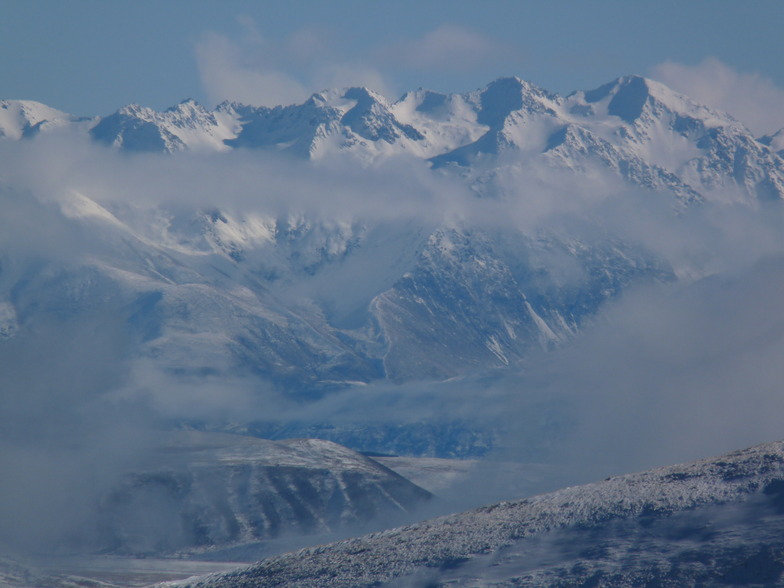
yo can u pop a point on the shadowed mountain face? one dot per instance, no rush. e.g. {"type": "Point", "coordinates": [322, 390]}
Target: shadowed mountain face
{"type": "Point", "coordinates": [205, 498]}
{"type": "Point", "coordinates": [215, 491]}
{"type": "Point", "coordinates": [714, 522]}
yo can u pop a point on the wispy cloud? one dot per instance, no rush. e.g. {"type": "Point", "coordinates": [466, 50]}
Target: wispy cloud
{"type": "Point", "coordinates": [448, 47]}
{"type": "Point", "coordinates": [253, 69]}
{"type": "Point", "coordinates": [750, 97]}
{"type": "Point", "coordinates": [672, 376]}
{"type": "Point", "coordinates": [227, 74]}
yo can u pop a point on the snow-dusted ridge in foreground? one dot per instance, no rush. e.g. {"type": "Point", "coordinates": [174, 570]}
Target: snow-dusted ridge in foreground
{"type": "Point", "coordinates": [712, 521]}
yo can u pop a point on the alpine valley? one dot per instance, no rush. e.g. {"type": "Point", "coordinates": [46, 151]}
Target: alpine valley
{"type": "Point", "coordinates": [229, 332]}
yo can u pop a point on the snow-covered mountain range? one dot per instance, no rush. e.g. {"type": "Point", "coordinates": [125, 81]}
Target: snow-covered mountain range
{"type": "Point", "coordinates": [308, 295]}
{"type": "Point", "coordinates": [643, 131]}
{"type": "Point", "coordinates": [312, 300]}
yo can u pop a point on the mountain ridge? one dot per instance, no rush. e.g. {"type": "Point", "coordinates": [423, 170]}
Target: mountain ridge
{"type": "Point", "coordinates": [646, 133]}
{"type": "Point", "coordinates": [488, 545]}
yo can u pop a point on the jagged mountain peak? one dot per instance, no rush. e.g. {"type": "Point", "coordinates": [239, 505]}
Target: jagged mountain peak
{"type": "Point", "coordinates": [515, 84]}
{"type": "Point", "coordinates": [775, 141]}
{"type": "Point", "coordinates": [613, 87]}
{"type": "Point", "coordinates": [231, 105]}
{"type": "Point", "coordinates": [189, 105]}
{"type": "Point", "coordinates": [353, 120]}
{"type": "Point", "coordinates": [346, 98]}
{"type": "Point", "coordinates": [186, 108]}
{"type": "Point", "coordinates": [362, 93]}
{"type": "Point", "coordinates": [506, 95]}
{"type": "Point", "coordinates": [187, 125]}
{"type": "Point", "coordinates": [139, 111]}
{"type": "Point", "coordinates": [673, 141]}
{"type": "Point", "coordinates": [632, 123]}
{"type": "Point", "coordinates": [425, 101]}
{"type": "Point", "coordinates": [630, 97]}
{"type": "Point", "coordinates": [372, 118]}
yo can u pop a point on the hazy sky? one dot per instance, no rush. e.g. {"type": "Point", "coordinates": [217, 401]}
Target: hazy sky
{"type": "Point", "coordinates": [90, 57]}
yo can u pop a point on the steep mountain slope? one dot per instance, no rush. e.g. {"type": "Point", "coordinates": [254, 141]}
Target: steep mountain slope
{"type": "Point", "coordinates": [214, 491]}
{"type": "Point", "coordinates": [182, 311]}
{"type": "Point", "coordinates": [205, 497]}
{"type": "Point", "coordinates": [715, 521]}
{"type": "Point", "coordinates": [263, 297]}
{"type": "Point", "coordinates": [185, 126]}
{"type": "Point", "coordinates": [496, 296]}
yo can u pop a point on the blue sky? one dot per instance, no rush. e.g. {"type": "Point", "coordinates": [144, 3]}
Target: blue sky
{"type": "Point", "coordinates": [90, 57]}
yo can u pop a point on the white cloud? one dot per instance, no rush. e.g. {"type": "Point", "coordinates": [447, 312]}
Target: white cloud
{"type": "Point", "coordinates": [226, 74]}
{"type": "Point", "coordinates": [447, 47]}
{"type": "Point", "coordinates": [256, 70]}
{"type": "Point", "coordinates": [750, 97]}
{"type": "Point", "coordinates": [346, 75]}
{"type": "Point", "coordinates": [252, 68]}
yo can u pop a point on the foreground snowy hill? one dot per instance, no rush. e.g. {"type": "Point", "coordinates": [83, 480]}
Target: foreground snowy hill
{"type": "Point", "coordinates": [716, 521]}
